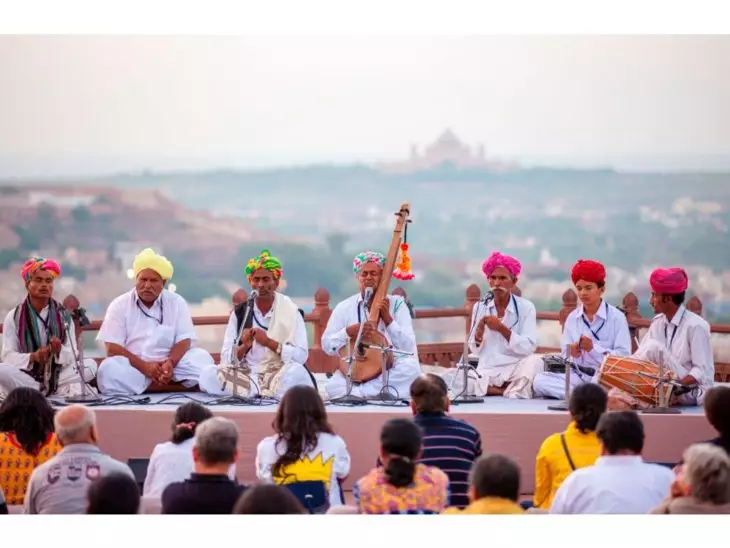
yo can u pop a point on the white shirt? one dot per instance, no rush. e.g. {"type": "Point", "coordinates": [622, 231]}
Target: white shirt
{"type": "Point", "coordinates": [171, 463]}
{"type": "Point", "coordinates": [399, 333]}
{"type": "Point", "coordinates": [329, 461]}
{"type": "Point", "coordinates": [614, 485]}
{"type": "Point", "coordinates": [520, 317]}
{"type": "Point", "coordinates": [129, 323]}
{"type": "Point", "coordinates": [687, 337]}
{"type": "Point", "coordinates": [297, 352]}
{"type": "Point", "coordinates": [611, 328]}
{"type": "Point", "coordinates": [11, 345]}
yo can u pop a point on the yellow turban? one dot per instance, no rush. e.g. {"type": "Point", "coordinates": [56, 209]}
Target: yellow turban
{"type": "Point", "coordinates": [149, 259]}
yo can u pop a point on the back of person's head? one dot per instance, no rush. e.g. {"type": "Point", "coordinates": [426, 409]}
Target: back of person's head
{"type": "Point", "coordinates": [187, 419]}
{"type": "Point", "coordinates": [706, 473]}
{"type": "Point", "coordinates": [113, 494]}
{"type": "Point", "coordinates": [300, 418]}
{"type": "Point", "coordinates": [76, 424]}
{"type": "Point", "coordinates": [400, 448]}
{"type": "Point", "coordinates": [587, 403]}
{"type": "Point", "coordinates": [621, 432]}
{"type": "Point", "coordinates": [29, 416]}
{"type": "Point", "coordinates": [216, 442]}
{"type": "Point", "coordinates": [495, 476]}
{"type": "Point", "coordinates": [717, 408]}
{"type": "Point", "coordinates": [429, 394]}
{"type": "Point", "coordinates": [268, 499]}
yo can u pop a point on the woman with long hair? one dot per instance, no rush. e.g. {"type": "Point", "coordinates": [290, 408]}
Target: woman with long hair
{"type": "Point", "coordinates": [172, 461]}
{"type": "Point", "coordinates": [305, 447]}
{"type": "Point", "coordinates": [576, 447]}
{"type": "Point", "coordinates": [27, 440]}
{"type": "Point", "coordinates": [402, 485]}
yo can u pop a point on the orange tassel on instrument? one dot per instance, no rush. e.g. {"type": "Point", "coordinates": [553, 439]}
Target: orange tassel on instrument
{"type": "Point", "coordinates": [403, 266]}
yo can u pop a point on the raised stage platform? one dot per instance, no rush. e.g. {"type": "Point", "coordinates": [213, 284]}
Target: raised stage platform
{"type": "Point", "coordinates": [514, 427]}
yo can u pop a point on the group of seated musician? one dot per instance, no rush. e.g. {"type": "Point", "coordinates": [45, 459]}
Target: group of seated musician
{"type": "Point", "coordinates": [151, 344]}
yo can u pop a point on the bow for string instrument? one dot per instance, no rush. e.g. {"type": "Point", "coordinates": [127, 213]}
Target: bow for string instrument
{"type": "Point", "coordinates": [368, 361]}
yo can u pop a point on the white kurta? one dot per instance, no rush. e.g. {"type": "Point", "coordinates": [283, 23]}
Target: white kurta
{"type": "Point", "coordinates": [150, 334]}
{"type": "Point", "coordinates": [683, 345]}
{"type": "Point", "coordinates": [399, 334]}
{"type": "Point", "coordinates": [293, 355]}
{"type": "Point", "coordinates": [609, 332]}
{"type": "Point", "coordinates": [14, 363]}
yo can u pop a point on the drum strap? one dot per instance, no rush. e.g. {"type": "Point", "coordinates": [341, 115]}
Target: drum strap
{"type": "Point", "coordinates": [567, 453]}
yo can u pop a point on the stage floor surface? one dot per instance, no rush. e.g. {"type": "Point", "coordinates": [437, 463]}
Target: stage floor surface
{"type": "Point", "coordinates": [513, 427]}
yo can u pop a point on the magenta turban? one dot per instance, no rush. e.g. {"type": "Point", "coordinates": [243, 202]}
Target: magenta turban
{"type": "Point", "coordinates": [496, 259]}
{"type": "Point", "coordinates": [668, 281]}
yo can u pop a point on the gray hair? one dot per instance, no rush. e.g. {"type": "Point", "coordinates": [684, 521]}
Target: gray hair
{"type": "Point", "coordinates": [707, 471]}
{"type": "Point", "coordinates": [73, 424]}
{"type": "Point", "coordinates": [216, 440]}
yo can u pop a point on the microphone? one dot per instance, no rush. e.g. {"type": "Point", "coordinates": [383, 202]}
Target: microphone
{"type": "Point", "coordinates": [254, 294]}
{"type": "Point", "coordinates": [489, 296]}
{"type": "Point", "coordinates": [368, 295]}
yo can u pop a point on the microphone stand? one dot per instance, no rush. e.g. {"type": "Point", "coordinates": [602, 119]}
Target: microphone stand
{"type": "Point", "coordinates": [235, 397]}
{"type": "Point", "coordinates": [385, 394]}
{"type": "Point", "coordinates": [85, 396]}
{"type": "Point", "coordinates": [563, 405]}
{"type": "Point", "coordinates": [348, 398]}
{"type": "Point", "coordinates": [465, 366]}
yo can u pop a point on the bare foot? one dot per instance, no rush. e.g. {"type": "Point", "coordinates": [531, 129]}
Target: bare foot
{"type": "Point", "coordinates": [496, 390]}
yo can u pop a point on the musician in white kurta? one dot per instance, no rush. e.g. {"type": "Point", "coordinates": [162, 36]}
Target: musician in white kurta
{"type": "Point", "coordinates": [594, 330]}
{"type": "Point", "coordinates": [273, 344]}
{"type": "Point", "coordinates": [396, 324]}
{"type": "Point", "coordinates": [48, 319]}
{"type": "Point", "coordinates": [149, 336]}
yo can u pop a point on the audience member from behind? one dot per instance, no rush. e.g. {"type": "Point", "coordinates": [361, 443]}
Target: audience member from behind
{"type": "Point", "coordinates": [59, 485]}
{"type": "Point", "coordinates": [402, 485]}
{"type": "Point", "coordinates": [577, 447]}
{"type": "Point", "coordinates": [702, 485]}
{"type": "Point", "coordinates": [268, 499]}
{"type": "Point", "coordinates": [620, 482]}
{"type": "Point", "coordinates": [494, 487]}
{"type": "Point", "coordinates": [172, 461]}
{"type": "Point", "coordinates": [26, 440]}
{"type": "Point", "coordinates": [209, 490]}
{"type": "Point", "coordinates": [305, 447]}
{"type": "Point", "coordinates": [717, 411]}
{"type": "Point", "coordinates": [448, 443]}
{"type": "Point", "coordinates": [113, 494]}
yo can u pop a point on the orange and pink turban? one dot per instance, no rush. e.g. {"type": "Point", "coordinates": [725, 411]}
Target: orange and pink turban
{"type": "Point", "coordinates": [39, 263]}
{"type": "Point", "coordinates": [588, 271]}
{"type": "Point", "coordinates": [496, 260]}
{"type": "Point", "coordinates": [668, 281]}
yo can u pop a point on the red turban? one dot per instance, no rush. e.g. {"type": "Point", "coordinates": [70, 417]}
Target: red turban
{"type": "Point", "coordinates": [668, 281]}
{"type": "Point", "coordinates": [496, 260]}
{"type": "Point", "coordinates": [589, 271]}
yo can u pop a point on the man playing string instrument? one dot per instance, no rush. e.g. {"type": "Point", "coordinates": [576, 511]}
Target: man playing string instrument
{"type": "Point", "coordinates": [592, 331]}
{"type": "Point", "coordinates": [150, 338]}
{"type": "Point", "coordinates": [37, 345]}
{"type": "Point", "coordinates": [677, 338]}
{"type": "Point", "coordinates": [394, 322]}
{"type": "Point", "coordinates": [272, 349]}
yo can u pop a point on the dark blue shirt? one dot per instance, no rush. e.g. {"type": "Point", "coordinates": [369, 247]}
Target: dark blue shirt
{"type": "Point", "coordinates": [451, 445]}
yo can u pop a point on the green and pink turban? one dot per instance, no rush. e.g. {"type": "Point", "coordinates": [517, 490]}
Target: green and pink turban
{"type": "Point", "coordinates": [367, 257]}
{"type": "Point", "coordinates": [39, 263]}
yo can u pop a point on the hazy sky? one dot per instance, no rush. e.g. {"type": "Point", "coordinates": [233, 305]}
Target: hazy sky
{"type": "Point", "coordinates": [73, 105]}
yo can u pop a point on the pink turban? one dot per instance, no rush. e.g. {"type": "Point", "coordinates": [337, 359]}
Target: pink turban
{"type": "Point", "coordinates": [496, 259]}
{"type": "Point", "coordinates": [668, 281]}
{"type": "Point", "coordinates": [39, 263]}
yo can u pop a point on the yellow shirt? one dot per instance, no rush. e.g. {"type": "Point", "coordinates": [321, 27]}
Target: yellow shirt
{"type": "Point", "coordinates": [16, 465]}
{"type": "Point", "coordinates": [488, 505]}
{"type": "Point", "coordinates": [552, 466]}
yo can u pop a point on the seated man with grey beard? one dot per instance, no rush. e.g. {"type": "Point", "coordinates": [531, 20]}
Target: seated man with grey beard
{"type": "Point", "coordinates": [209, 490]}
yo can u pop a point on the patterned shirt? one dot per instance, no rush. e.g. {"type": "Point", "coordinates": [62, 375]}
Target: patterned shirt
{"type": "Point", "coordinates": [16, 466]}
{"type": "Point", "coordinates": [428, 494]}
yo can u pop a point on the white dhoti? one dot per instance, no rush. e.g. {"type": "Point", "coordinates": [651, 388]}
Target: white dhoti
{"type": "Point", "coordinates": [400, 378]}
{"type": "Point", "coordinates": [117, 376]}
{"type": "Point", "coordinates": [519, 375]}
{"type": "Point", "coordinates": [69, 380]}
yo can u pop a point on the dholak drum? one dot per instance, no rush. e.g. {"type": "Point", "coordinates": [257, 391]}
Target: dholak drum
{"type": "Point", "coordinates": [638, 378]}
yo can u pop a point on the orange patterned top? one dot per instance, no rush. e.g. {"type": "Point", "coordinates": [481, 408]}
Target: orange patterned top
{"type": "Point", "coordinates": [428, 494]}
{"type": "Point", "coordinates": [16, 465]}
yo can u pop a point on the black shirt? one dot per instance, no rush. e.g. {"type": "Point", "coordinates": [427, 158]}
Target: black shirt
{"type": "Point", "coordinates": [202, 494]}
